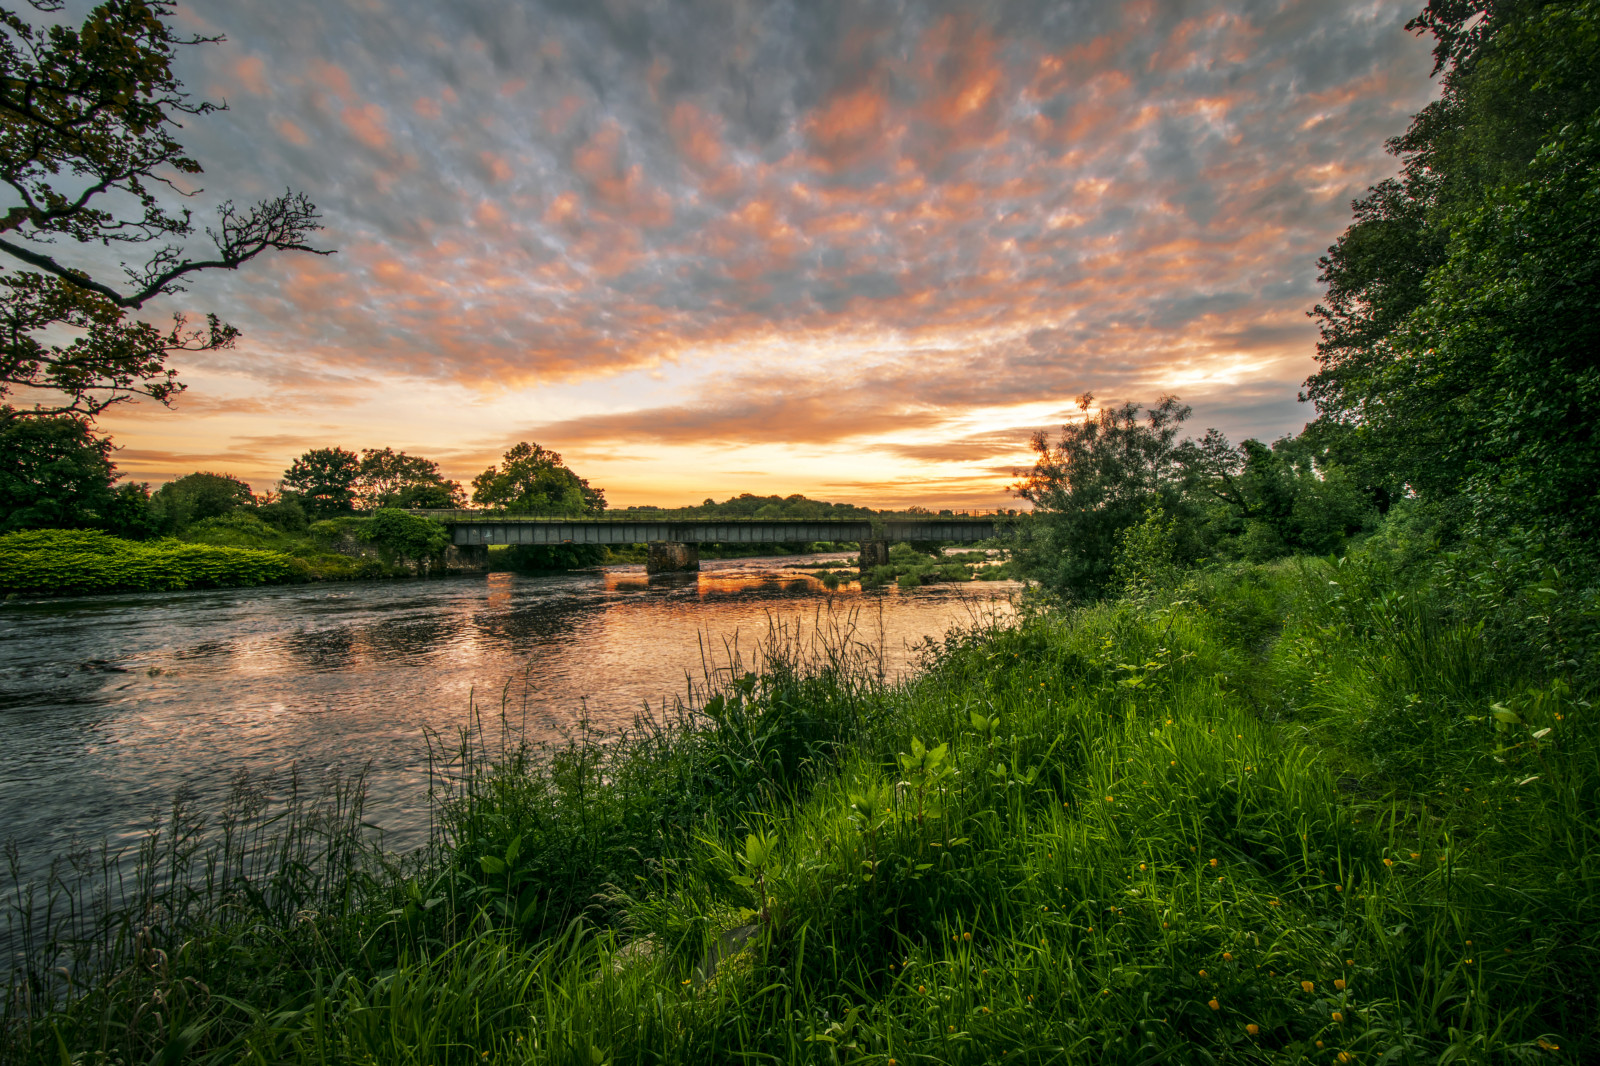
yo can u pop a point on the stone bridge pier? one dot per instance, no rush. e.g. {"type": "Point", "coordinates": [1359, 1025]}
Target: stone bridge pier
{"type": "Point", "coordinates": [873, 553]}
{"type": "Point", "coordinates": [671, 557]}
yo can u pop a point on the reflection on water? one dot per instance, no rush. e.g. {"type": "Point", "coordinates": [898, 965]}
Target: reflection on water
{"type": "Point", "coordinates": [111, 705]}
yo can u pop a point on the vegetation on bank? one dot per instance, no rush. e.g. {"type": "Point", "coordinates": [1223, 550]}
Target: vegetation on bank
{"type": "Point", "coordinates": [237, 549]}
{"type": "Point", "coordinates": [59, 561]}
{"type": "Point", "coordinates": [1316, 810]}
{"type": "Point", "coordinates": [911, 566]}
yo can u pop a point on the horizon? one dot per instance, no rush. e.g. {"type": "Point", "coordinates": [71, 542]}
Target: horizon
{"type": "Point", "coordinates": [860, 252]}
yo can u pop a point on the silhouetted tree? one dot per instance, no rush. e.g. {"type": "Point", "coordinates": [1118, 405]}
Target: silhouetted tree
{"type": "Point", "coordinates": [533, 480]}
{"type": "Point", "coordinates": [198, 496]}
{"type": "Point", "coordinates": [323, 481]}
{"type": "Point", "coordinates": [394, 479]}
{"type": "Point", "coordinates": [55, 473]}
{"type": "Point", "coordinates": [88, 122]}
{"type": "Point", "coordinates": [1096, 481]}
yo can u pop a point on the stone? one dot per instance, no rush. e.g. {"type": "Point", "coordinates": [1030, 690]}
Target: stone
{"type": "Point", "coordinates": [873, 553]}
{"type": "Point", "coordinates": [668, 557]}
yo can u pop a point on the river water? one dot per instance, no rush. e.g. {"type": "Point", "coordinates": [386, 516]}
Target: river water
{"type": "Point", "coordinates": [110, 705]}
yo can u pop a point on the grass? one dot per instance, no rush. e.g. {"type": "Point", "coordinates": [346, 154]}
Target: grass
{"type": "Point", "coordinates": [1315, 811]}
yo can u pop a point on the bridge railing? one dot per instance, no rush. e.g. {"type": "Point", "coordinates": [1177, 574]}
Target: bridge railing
{"type": "Point", "coordinates": [488, 515]}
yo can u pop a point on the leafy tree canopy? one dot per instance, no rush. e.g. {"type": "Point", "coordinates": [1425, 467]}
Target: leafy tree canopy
{"type": "Point", "coordinates": [1096, 481]}
{"type": "Point", "coordinates": [394, 479]}
{"type": "Point", "coordinates": [88, 150]}
{"type": "Point", "coordinates": [55, 473]}
{"type": "Point", "coordinates": [198, 496]}
{"type": "Point", "coordinates": [1458, 319]}
{"type": "Point", "coordinates": [533, 480]}
{"type": "Point", "coordinates": [408, 537]}
{"type": "Point", "coordinates": [323, 480]}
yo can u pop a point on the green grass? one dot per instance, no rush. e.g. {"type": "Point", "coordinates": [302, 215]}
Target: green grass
{"type": "Point", "coordinates": [1279, 813]}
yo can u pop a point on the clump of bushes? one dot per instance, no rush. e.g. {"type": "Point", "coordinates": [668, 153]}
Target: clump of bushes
{"type": "Point", "coordinates": [85, 560]}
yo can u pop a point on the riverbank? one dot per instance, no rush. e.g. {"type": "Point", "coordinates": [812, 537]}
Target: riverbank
{"type": "Point", "coordinates": [1300, 812]}
{"type": "Point", "coordinates": [241, 551]}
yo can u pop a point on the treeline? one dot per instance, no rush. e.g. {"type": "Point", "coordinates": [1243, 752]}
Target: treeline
{"type": "Point", "coordinates": [67, 525]}
{"type": "Point", "coordinates": [1460, 326]}
{"type": "Point", "coordinates": [56, 472]}
{"type": "Point", "coordinates": [748, 505]}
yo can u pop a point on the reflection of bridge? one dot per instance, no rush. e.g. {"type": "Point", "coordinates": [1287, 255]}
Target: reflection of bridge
{"type": "Point", "coordinates": [674, 543]}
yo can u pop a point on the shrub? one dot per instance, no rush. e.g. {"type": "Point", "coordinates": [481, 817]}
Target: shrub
{"type": "Point", "coordinates": [73, 561]}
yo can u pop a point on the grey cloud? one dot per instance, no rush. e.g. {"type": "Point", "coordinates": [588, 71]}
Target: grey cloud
{"type": "Point", "coordinates": [1208, 212]}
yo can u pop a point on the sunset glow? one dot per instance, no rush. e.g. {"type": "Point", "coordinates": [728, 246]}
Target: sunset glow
{"type": "Point", "coordinates": [856, 250]}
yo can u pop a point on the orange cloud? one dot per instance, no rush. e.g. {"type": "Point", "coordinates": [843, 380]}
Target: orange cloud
{"type": "Point", "coordinates": [290, 132]}
{"type": "Point", "coordinates": [367, 125]}
{"type": "Point", "coordinates": [251, 74]}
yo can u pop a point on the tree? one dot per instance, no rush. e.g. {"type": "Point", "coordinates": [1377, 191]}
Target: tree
{"type": "Point", "coordinates": [324, 480]}
{"type": "Point", "coordinates": [532, 480]}
{"type": "Point", "coordinates": [1098, 480]}
{"type": "Point", "coordinates": [54, 473]}
{"type": "Point", "coordinates": [394, 479]}
{"type": "Point", "coordinates": [1443, 367]}
{"type": "Point", "coordinates": [1268, 502]}
{"type": "Point", "coordinates": [406, 537]}
{"type": "Point", "coordinates": [198, 496]}
{"type": "Point", "coordinates": [1497, 375]}
{"type": "Point", "coordinates": [88, 117]}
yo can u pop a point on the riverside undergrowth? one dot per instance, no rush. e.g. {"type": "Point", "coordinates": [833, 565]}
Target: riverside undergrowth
{"type": "Point", "coordinates": [1317, 811]}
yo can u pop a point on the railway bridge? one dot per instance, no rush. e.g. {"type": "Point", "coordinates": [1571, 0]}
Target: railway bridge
{"type": "Point", "coordinates": [674, 543]}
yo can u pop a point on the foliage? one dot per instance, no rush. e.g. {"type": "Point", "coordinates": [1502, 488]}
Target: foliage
{"type": "Point", "coordinates": [68, 561]}
{"type": "Point", "coordinates": [1146, 556]}
{"type": "Point", "coordinates": [1268, 502]}
{"type": "Point", "coordinates": [323, 481]}
{"type": "Point", "coordinates": [1495, 374]}
{"type": "Point", "coordinates": [54, 473]}
{"type": "Point", "coordinates": [388, 478]}
{"type": "Point", "coordinates": [130, 514]}
{"type": "Point", "coordinates": [88, 117]}
{"type": "Point", "coordinates": [407, 537]}
{"type": "Point", "coordinates": [910, 568]}
{"type": "Point", "coordinates": [1095, 482]}
{"type": "Point", "coordinates": [198, 496]}
{"type": "Point", "coordinates": [747, 505]}
{"type": "Point", "coordinates": [1457, 324]}
{"type": "Point", "coordinates": [538, 558]}
{"type": "Point", "coordinates": [533, 480]}
{"type": "Point", "coordinates": [284, 513]}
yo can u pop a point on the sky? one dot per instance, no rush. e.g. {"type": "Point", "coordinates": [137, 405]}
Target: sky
{"type": "Point", "coordinates": [860, 250]}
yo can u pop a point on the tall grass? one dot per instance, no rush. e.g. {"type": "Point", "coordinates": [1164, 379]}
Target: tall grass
{"type": "Point", "coordinates": [1316, 811]}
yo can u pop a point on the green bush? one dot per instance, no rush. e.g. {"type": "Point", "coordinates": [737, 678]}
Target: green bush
{"type": "Point", "coordinates": [72, 561]}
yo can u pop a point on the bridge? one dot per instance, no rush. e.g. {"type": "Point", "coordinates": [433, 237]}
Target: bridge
{"type": "Point", "coordinates": [673, 543]}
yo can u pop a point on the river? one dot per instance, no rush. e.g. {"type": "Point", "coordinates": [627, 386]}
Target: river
{"type": "Point", "coordinates": [111, 705]}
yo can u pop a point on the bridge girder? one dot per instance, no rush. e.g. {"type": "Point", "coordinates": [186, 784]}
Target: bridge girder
{"type": "Point", "coordinates": [466, 532]}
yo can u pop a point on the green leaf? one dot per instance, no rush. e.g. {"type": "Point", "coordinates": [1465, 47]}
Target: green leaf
{"type": "Point", "coordinates": [492, 865]}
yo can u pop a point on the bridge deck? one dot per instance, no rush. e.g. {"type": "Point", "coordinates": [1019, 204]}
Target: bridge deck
{"type": "Point", "coordinates": [467, 529]}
